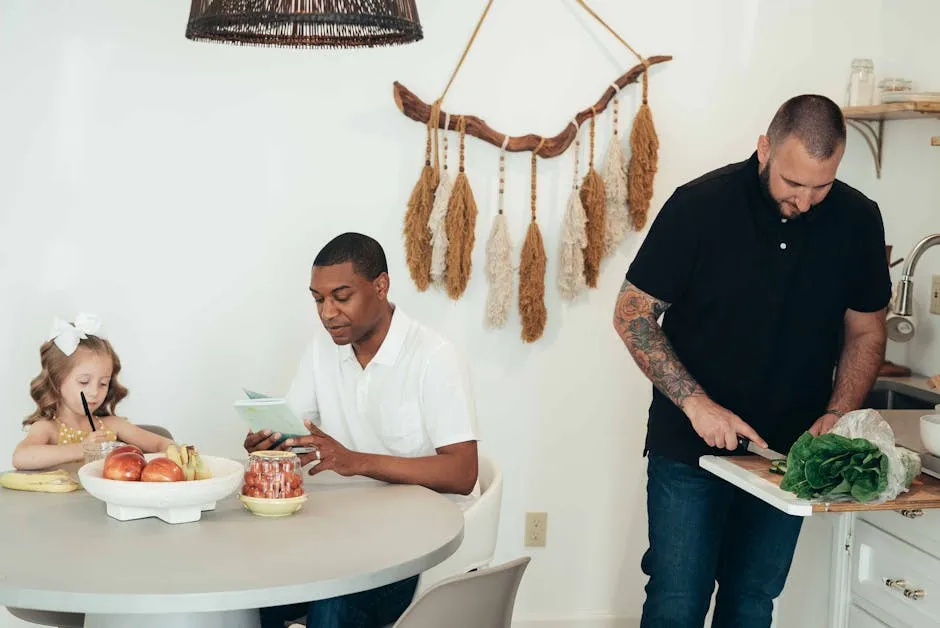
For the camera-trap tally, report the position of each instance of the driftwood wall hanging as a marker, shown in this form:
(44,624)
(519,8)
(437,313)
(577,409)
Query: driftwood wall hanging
(440,220)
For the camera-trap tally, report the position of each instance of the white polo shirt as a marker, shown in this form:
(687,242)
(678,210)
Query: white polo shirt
(413,397)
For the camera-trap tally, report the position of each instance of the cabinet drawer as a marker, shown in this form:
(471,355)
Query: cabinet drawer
(858,618)
(901,580)
(920,528)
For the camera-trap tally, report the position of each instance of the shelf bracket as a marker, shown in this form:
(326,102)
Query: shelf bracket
(874,137)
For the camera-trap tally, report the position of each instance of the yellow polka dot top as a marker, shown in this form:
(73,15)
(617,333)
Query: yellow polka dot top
(68,435)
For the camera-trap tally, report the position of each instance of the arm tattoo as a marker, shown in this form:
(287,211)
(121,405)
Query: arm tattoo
(636,319)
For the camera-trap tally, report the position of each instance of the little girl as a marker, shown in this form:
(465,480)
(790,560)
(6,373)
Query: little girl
(75,361)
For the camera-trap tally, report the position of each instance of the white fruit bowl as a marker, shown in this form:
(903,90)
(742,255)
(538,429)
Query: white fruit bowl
(172,502)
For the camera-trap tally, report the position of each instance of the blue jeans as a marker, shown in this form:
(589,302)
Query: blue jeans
(374,608)
(702,530)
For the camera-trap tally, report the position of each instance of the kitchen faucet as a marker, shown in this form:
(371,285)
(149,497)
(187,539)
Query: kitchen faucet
(903,305)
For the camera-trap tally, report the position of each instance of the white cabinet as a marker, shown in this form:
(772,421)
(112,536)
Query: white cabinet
(858,618)
(902,581)
(920,528)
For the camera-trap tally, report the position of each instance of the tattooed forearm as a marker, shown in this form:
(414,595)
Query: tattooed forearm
(636,319)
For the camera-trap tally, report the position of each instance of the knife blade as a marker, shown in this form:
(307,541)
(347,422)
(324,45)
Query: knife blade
(750,446)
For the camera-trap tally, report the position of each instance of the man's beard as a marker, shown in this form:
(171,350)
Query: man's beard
(764,178)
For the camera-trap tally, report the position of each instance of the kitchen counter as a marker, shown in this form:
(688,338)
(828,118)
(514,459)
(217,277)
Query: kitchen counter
(914,386)
(906,426)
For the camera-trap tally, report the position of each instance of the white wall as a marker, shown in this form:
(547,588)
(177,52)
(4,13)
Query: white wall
(908,191)
(181,191)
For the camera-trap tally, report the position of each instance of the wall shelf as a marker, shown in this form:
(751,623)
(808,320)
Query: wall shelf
(870,122)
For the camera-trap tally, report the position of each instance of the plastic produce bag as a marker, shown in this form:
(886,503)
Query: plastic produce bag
(856,461)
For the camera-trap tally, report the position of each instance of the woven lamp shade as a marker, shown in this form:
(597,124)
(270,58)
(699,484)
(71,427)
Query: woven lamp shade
(305,23)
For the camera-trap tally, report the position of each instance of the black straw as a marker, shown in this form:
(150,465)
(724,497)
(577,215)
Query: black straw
(87,413)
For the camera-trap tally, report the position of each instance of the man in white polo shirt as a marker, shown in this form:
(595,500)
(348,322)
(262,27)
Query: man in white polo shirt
(383,397)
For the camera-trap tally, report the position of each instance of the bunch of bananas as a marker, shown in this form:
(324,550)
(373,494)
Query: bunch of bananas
(45,482)
(189,460)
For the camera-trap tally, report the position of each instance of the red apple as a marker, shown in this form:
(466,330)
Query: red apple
(161,470)
(123,448)
(126,466)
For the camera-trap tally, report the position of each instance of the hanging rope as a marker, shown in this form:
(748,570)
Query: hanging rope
(612,31)
(466,49)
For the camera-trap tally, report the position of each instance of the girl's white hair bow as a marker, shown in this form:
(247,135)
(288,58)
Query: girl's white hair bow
(67,336)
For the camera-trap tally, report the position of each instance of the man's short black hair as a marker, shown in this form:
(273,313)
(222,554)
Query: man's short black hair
(365,253)
(814,120)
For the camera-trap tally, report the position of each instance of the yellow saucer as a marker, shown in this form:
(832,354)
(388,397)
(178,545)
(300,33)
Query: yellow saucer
(273,507)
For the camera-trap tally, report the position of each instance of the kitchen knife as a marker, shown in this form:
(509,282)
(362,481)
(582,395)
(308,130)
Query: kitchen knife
(769,454)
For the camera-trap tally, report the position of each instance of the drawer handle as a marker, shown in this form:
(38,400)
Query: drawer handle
(902,585)
(911,514)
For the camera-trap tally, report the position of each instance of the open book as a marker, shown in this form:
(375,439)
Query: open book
(263,412)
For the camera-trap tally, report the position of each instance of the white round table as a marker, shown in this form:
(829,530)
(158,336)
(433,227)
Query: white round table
(61,552)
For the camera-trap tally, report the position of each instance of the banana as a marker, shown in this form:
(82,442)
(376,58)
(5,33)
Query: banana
(184,456)
(45,482)
(202,469)
(189,458)
(173,453)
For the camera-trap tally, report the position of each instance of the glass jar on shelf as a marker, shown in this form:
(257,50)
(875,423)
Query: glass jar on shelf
(895,89)
(861,90)
(895,85)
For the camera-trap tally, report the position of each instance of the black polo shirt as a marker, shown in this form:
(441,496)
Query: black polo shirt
(757,301)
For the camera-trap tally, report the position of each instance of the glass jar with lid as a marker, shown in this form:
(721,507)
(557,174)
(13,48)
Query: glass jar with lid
(273,475)
(861,90)
(895,85)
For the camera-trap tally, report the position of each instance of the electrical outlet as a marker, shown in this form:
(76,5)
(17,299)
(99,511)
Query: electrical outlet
(536,529)
(935,295)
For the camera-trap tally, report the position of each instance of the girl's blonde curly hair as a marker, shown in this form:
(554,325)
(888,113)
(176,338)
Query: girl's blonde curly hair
(45,387)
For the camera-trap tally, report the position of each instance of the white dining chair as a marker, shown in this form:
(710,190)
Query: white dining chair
(481,527)
(481,599)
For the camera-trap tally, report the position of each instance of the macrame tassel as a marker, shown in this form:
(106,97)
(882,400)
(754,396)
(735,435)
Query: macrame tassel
(532,275)
(436,222)
(460,227)
(573,239)
(615,187)
(593,200)
(644,148)
(498,273)
(417,236)
(499,258)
